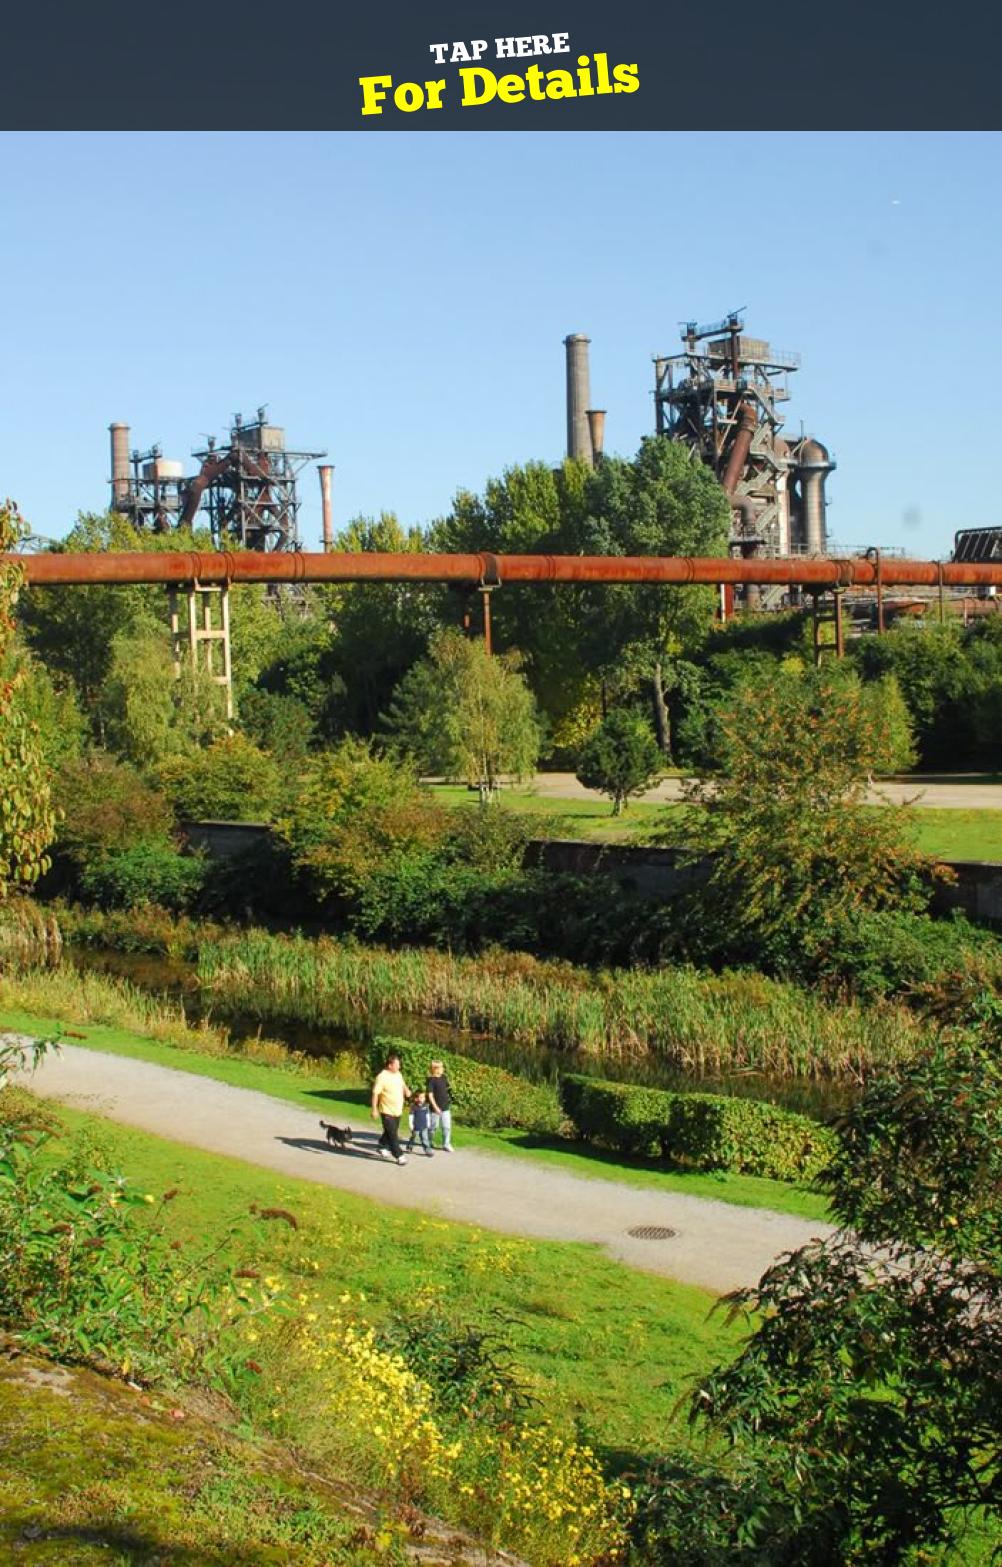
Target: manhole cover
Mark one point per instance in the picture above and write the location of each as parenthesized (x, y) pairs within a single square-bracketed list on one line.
[(652, 1232)]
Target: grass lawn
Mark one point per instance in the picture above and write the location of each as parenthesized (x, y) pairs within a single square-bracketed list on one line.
[(951, 834), (608, 1350), (350, 1099), (960, 835), (590, 818)]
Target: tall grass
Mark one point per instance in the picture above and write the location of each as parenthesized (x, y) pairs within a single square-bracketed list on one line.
[(695, 1021), (28, 935), (67, 996)]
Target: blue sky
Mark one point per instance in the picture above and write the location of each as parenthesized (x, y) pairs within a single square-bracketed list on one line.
[(400, 300)]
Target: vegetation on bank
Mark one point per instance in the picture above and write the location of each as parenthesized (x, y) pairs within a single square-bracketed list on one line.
[(317, 1302), (96, 1471), (884, 1349), (701, 1022)]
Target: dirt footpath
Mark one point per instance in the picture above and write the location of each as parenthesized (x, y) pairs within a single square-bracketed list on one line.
[(715, 1245)]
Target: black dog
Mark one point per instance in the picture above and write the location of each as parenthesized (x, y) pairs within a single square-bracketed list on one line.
[(337, 1136)]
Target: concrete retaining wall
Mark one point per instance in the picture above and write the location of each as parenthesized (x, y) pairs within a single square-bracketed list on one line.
[(653, 873)]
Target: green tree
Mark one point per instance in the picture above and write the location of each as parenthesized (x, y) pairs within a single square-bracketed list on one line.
[(378, 629), (467, 715), (889, 713), (50, 704), (861, 1422), (530, 509), (147, 711), (627, 638), (73, 630), (621, 759), (27, 814), (277, 723), (660, 504), (793, 844)]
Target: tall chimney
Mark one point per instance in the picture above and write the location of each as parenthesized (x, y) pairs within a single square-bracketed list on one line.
[(326, 472), (578, 398), (596, 432), (119, 465)]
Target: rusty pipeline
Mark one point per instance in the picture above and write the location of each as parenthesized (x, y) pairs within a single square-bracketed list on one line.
[(225, 566)]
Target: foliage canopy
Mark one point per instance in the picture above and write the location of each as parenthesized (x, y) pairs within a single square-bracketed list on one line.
[(27, 812)]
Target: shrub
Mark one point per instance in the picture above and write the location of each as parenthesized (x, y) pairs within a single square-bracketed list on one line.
[(484, 1096), (355, 814), (621, 758), (147, 929), (87, 1268), (792, 839), (230, 780), (146, 873), (700, 1131), (634, 1120), (919, 1157), (110, 807), (893, 952)]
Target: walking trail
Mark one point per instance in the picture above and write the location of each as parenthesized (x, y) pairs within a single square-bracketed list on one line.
[(940, 791), (716, 1245)]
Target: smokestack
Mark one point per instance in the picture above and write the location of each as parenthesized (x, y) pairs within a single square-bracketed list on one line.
[(326, 472), (814, 465), (578, 398), (119, 465), (596, 432)]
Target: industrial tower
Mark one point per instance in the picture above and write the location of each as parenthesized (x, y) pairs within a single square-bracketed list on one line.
[(247, 487), (722, 397)]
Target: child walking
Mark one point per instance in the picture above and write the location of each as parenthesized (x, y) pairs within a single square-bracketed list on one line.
[(420, 1123)]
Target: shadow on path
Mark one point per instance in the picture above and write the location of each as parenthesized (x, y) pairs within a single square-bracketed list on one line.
[(321, 1145)]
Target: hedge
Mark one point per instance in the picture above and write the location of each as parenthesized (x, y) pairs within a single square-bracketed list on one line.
[(483, 1096), (698, 1131)]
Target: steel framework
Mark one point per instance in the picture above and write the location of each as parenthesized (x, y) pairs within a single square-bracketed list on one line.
[(246, 485), (720, 397), (978, 544), (249, 487)]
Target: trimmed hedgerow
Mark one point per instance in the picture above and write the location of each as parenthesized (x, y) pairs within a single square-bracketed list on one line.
[(698, 1131), (483, 1096)]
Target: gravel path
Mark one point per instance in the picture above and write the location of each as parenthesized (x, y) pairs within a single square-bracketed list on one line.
[(941, 792), (716, 1245)]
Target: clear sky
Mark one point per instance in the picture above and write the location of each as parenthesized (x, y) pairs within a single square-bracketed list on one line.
[(400, 301)]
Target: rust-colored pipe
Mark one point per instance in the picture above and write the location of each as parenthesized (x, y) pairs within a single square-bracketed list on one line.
[(168, 566), (738, 459), (210, 470)]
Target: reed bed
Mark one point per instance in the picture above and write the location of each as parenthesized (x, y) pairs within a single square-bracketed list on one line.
[(695, 1021), (79, 999), (28, 935)]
